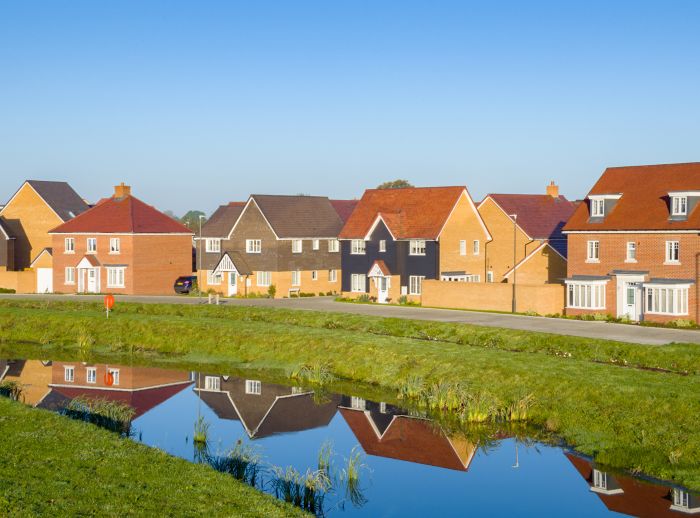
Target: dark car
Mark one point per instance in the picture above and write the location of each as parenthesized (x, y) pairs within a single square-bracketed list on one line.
[(185, 284)]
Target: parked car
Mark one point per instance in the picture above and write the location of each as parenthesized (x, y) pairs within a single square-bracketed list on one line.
[(185, 284)]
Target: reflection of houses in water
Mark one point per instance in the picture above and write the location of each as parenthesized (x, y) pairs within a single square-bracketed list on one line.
[(142, 388), (627, 495), (33, 375), (386, 431), (265, 409)]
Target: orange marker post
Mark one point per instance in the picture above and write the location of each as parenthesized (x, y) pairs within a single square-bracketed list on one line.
[(109, 303)]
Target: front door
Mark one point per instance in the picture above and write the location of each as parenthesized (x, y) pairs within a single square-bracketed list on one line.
[(232, 285), (92, 282), (382, 289), (631, 301)]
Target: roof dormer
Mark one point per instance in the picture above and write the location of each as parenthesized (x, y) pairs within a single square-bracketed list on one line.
[(681, 203), (600, 205)]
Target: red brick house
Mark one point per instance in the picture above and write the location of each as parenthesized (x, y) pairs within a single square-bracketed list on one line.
[(121, 245), (634, 245)]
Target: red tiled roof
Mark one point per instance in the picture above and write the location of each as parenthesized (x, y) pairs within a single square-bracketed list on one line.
[(382, 267), (344, 208), (541, 216), (418, 212), (644, 204), (122, 215)]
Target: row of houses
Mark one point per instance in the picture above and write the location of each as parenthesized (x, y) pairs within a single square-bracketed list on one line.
[(629, 249)]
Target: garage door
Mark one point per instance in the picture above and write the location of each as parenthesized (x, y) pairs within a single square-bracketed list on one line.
[(44, 280)]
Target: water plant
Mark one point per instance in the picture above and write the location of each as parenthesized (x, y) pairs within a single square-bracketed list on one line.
[(201, 431), (242, 462), (85, 342), (306, 491), (11, 389), (350, 475), (324, 456), (112, 415), (411, 388), (518, 409), (318, 373)]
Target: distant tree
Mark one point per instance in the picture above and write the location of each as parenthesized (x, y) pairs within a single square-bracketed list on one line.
[(395, 184), (171, 214), (191, 219)]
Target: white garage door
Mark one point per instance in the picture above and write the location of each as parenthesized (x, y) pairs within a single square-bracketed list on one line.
[(44, 280)]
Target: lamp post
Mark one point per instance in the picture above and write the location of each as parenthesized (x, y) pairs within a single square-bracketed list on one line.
[(515, 235), (199, 256)]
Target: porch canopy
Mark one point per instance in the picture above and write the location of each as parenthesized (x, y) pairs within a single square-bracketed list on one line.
[(233, 262), (379, 269)]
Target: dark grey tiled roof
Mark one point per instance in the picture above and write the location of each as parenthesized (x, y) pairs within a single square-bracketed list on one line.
[(222, 220), (300, 216), (60, 197)]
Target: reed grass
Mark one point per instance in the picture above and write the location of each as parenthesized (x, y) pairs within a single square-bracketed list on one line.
[(12, 389), (201, 431), (112, 415)]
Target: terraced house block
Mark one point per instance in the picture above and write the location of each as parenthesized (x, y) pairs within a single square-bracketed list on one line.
[(634, 245)]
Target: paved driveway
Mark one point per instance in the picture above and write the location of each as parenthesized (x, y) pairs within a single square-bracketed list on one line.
[(620, 332)]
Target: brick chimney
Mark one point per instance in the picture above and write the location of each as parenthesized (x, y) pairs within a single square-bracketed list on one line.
[(553, 190), (122, 190)]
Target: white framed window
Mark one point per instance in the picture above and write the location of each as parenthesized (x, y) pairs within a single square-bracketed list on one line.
[(263, 278), (358, 283), (667, 300), (333, 245), (631, 256), (297, 246), (91, 375), (585, 295), (314, 275), (296, 278), (463, 247), (673, 251), (332, 275), (415, 284), (315, 244), (70, 275), (417, 247), (475, 247), (212, 383), (593, 252), (212, 245), (115, 376), (358, 403), (253, 246), (68, 373), (253, 387), (382, 245), (357, 247), (597, 207), (681, 499), (473, 278), (489, 276), (600, 479), (679, 205), (69, 245), (115, 276), (382, 407), (213, 278), (115, 245), (91, 245)]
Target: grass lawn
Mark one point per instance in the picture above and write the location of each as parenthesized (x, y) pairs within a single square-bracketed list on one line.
[(630, 406), (53, 466)]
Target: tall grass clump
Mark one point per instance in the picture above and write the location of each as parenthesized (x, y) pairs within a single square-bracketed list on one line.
[(412, 388), (85, 342), (201, 431), (317, 373), (325, 453), (12, 389), (242, 463), (306, 491), (350, 475), (112, 415)]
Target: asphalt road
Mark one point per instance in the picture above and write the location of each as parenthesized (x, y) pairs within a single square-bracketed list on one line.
[(619, 332)]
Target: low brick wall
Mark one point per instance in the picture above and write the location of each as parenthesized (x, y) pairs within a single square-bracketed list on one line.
[(21, 282), (543, 299)]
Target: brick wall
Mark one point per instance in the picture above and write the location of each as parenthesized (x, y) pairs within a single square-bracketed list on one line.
[(464, 224)]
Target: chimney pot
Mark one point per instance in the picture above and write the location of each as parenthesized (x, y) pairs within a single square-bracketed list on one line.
[(122, 190), (553, 189)]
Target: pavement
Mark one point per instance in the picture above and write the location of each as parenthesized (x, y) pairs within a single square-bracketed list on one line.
[(587, 329)]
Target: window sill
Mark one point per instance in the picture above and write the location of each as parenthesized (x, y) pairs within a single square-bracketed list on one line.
[(115, 253), (249, 252), (69, 283), (357, 253), (672, 263), (592, 261), (416, 255), (91, 253), (667, 314), (630, 261), (115, 287), (68, 252)]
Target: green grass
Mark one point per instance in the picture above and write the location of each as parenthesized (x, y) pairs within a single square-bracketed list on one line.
[(601, 397), (55, 466)]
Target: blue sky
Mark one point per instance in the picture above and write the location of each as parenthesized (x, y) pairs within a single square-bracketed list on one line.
[(199, 103)]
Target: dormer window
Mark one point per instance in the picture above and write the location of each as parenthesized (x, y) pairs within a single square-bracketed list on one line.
[(599, 204), (679, 205), (597, 208)]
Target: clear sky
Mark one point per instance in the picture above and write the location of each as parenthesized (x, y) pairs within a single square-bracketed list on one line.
[(199, 103)]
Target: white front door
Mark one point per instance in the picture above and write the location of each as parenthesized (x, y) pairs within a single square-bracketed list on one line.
[(93, 282), (232, 285), (44, 280), (629, 297), (382, 289)]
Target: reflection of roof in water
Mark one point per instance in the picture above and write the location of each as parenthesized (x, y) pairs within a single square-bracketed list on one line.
[(262, 417), (407, 438)]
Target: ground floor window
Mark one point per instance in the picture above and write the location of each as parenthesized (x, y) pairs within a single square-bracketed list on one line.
[(314, 275), (115, 277), (681, 498), (213, 278), (586, 295), (69, 374), (296, 278), (264, 278), (70, 275), (358, 283), (332, 275), (91, 375), (115, 376), (415, 284), (667, 300)]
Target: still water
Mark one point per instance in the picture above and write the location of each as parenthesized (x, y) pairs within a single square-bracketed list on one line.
[(408, 464)]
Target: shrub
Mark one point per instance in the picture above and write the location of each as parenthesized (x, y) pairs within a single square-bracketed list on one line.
[(272, 291), (363, 298), (7, 290)]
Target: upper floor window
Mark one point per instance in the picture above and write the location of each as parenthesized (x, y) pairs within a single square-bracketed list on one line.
[(115, 245), (212, 245), (600, 479), (69, 245), (92, 244), (489, 276), (597, 207), (212, 383), (417, 247), (358, 247), (296, 246), (253, 246), (679, 205), (382, 245), (333, 245), (253, 387), (593, 253), (315, 244), (673, 251), (463, 247), (475, 247), (681, 499), (631, 252)]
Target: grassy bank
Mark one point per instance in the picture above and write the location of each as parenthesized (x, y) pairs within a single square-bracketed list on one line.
[(78, 469), (602, 397)]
